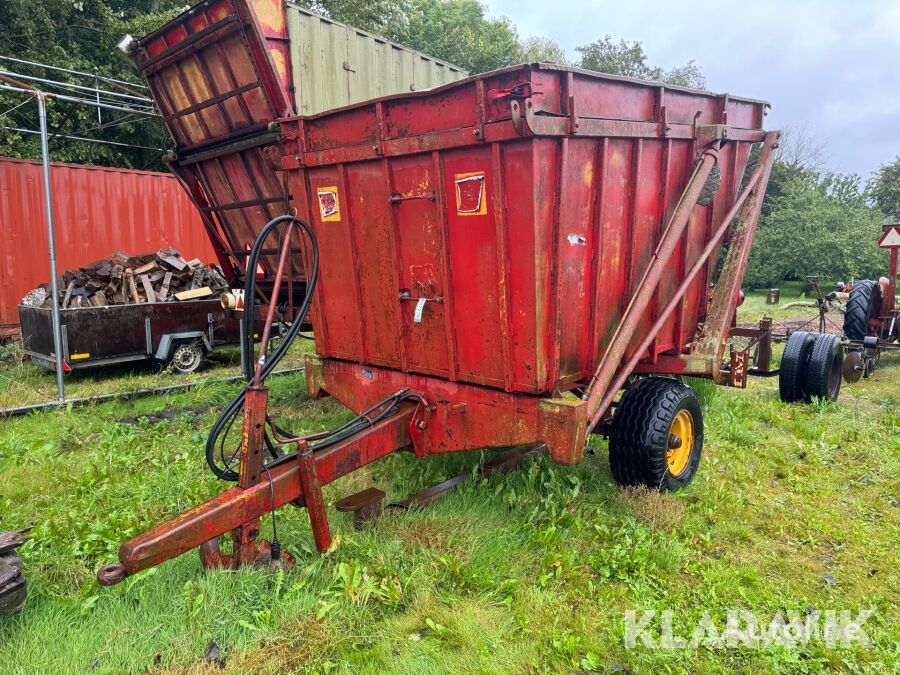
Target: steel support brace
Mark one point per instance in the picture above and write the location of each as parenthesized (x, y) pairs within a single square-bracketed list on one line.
[(717, 325), (315, 502), (459, 416), (646, 288), (699, 362)]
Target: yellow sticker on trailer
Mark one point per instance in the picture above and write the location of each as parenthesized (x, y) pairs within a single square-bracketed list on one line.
[(79, 357)]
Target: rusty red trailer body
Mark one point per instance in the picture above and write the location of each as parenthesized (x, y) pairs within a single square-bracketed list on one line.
[(526, 235), (496, 257)]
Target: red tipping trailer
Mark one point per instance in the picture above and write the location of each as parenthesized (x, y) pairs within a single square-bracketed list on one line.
[(502, 233), (490, 264)]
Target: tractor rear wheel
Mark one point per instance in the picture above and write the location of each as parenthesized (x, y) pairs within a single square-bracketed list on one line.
[(865, 296), (657, 435), (823, 372), (792, 373)]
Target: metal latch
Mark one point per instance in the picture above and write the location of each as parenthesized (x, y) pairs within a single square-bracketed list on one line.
[(396, 197), (520, 90), (420, 303)]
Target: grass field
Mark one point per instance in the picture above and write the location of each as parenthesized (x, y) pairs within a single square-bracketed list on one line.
[(795, 509)]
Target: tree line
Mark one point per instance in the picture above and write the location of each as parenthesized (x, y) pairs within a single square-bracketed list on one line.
[(821, 222)]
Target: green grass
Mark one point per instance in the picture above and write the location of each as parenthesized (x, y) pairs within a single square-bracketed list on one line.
[(528, 572), (23, 383)]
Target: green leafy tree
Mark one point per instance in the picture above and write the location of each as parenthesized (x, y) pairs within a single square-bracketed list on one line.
[(883, 190), (81, 36), (457, 31), (815, 224), (536, 49), (630, 60), (382, 17)]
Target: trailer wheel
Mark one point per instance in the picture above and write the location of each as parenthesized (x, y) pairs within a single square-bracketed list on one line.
[(865, 296), (187, 357), (657, 435), (793, 366), (823, 372)]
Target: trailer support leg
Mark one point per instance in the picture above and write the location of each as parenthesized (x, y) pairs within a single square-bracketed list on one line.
[(315, 502), (246, 549)]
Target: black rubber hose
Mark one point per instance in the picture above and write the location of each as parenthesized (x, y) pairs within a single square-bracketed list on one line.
[(236, 404)]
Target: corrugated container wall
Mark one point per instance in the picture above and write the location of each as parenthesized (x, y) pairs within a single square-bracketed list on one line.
[(336, 65), (97, 210)]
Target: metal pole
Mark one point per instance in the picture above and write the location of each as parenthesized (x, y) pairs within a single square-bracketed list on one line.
[(51, 245)]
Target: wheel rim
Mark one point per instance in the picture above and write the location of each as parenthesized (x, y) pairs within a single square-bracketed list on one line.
[(681, 442), (186, 358)]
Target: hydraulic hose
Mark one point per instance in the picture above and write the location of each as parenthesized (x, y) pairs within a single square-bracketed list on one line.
[(219, 432), (226, 418)]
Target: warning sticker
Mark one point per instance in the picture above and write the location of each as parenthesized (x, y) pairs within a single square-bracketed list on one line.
[(470, 199), (329, 206)]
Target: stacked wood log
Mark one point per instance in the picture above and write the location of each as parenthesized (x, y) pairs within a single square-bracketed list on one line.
[(124, 279)]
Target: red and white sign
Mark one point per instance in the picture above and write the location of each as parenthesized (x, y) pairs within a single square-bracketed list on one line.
[(890, 238)]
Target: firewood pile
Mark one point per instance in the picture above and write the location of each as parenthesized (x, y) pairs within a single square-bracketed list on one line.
[(123, 279)]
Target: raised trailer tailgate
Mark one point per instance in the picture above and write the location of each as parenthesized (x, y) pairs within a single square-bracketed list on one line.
[(223, 73)]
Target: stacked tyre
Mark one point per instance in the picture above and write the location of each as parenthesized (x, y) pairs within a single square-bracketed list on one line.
[(811, 367)]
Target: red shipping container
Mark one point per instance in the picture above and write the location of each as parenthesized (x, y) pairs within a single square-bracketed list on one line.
[(96, 210)]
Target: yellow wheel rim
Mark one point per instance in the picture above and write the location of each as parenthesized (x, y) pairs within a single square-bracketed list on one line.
[(681, 442)]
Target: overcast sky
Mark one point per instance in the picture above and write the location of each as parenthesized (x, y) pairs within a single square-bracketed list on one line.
[(833, 65)]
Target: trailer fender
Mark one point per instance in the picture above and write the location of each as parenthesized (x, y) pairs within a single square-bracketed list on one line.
[(169, 339)]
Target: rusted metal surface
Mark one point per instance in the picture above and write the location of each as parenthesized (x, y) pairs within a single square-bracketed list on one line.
[(465, 417), (239, 506), (503, 464), (224, 72), (751, 353), (364, 505), (219, 75), (890, 319), (102, 335), (553, 187), (97, 210), (711, 342), (601, 384)]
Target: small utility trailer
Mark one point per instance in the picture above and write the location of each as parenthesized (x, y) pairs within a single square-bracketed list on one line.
[(180, 334)]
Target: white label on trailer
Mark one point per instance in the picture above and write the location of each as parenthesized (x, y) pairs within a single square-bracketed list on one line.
[(420, 308), (891, 238)]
